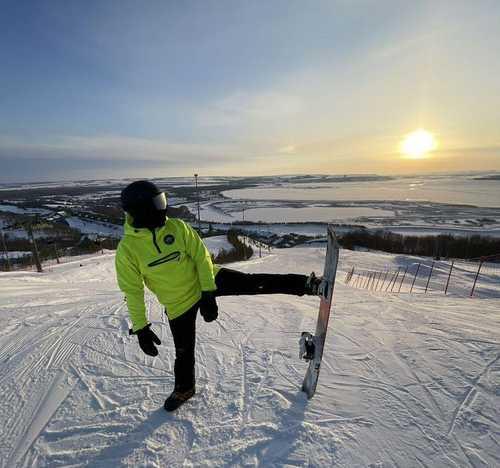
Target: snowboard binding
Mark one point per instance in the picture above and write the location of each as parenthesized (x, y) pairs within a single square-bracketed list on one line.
[(323, 289), (316, 286), (307, 346)]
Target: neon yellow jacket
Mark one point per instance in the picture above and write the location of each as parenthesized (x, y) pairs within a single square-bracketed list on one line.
[(171, 261)]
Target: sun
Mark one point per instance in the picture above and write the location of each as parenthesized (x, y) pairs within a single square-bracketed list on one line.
[(418, 144)]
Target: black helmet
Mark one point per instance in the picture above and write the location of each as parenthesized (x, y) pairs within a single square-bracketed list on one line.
[(146, 203)]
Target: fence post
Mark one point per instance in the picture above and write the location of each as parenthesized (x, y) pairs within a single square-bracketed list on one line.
[(430, 274), (415, 278), (475, 279), (389, 283), (449, 276), (383, 281), (349, 276), (403, 278), (395, 279), (368, 285)]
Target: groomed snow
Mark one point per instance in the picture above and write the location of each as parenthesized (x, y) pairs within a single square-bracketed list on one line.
[(406, 380)]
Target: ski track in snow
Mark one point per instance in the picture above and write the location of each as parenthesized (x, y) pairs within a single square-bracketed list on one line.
[(406, 380)]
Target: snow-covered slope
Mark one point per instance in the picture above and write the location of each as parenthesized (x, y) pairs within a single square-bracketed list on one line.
[(406, 380), (217, 243)]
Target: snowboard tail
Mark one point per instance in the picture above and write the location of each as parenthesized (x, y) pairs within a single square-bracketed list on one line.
[(312, 346)]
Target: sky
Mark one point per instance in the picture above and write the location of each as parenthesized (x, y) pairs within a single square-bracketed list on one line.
[(109, 89)]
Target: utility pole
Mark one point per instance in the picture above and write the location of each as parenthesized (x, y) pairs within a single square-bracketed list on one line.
[(197, 201), (7, 259), (54, 245), (57, 254), (36, 257)]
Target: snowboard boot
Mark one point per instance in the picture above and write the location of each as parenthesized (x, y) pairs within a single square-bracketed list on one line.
[(312, 285), (177, 398)]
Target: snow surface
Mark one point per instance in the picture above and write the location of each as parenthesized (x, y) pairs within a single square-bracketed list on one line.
[(37, 234), (18, 210), (95, 227), (15, 254), (407, 380)]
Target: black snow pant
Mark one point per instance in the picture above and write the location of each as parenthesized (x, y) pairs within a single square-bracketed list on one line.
[(229, 283)]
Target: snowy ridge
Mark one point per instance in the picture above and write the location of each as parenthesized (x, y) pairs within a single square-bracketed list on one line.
[(407, 380)]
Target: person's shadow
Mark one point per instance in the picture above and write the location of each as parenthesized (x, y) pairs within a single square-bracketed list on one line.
[(273, 450), (291, 430), (124, 446)]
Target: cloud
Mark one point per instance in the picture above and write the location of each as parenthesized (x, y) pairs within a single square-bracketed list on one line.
[(114, 147), (246, 108)]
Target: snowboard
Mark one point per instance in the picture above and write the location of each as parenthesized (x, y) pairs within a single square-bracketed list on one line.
[(311, 346)]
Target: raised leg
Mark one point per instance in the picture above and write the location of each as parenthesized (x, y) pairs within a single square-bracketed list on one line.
[(236, 283)]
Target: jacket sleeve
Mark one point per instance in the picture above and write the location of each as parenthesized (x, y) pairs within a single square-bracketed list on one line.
[(197, 250), (131, 283)]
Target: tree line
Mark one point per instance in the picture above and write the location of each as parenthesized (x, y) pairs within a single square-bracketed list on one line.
[(240, 250), (440, 246)]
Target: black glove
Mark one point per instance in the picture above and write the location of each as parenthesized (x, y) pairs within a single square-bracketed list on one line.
[(208, 306), (147, 338)]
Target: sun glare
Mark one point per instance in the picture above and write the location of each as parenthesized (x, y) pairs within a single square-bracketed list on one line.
[(418, 144)]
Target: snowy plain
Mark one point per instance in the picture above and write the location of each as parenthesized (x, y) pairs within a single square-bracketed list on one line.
[(407, 380)]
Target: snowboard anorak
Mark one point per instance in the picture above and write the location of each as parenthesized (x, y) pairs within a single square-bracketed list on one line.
[(172, 261)]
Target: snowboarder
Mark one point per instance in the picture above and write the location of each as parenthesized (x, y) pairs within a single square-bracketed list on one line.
[(168, 256)]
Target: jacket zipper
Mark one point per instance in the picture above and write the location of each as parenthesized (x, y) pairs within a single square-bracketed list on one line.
[(154, 240)]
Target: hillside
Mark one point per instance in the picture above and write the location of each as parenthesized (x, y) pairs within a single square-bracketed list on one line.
[(407, 380)]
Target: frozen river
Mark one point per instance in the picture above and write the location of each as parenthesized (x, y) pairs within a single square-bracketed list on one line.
[(312, 213), (455, 190)]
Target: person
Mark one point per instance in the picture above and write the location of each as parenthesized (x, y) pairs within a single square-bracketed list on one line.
[(168, 257)]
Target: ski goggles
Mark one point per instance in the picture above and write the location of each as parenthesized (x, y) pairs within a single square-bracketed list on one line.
[(160, 201)]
